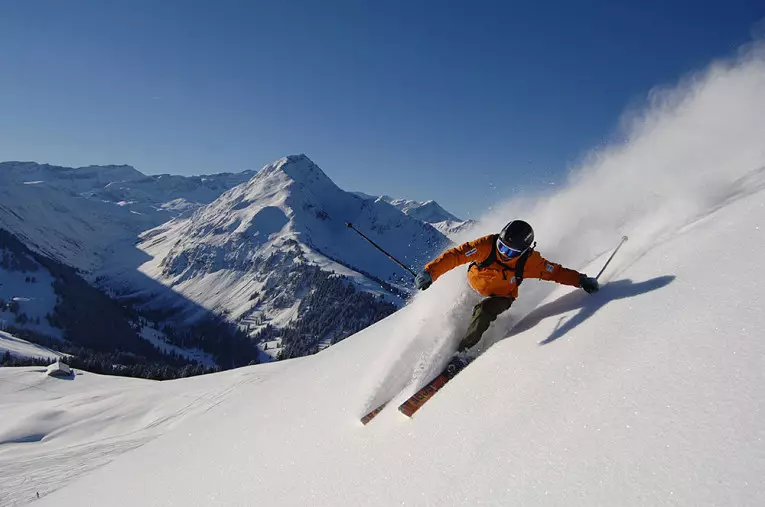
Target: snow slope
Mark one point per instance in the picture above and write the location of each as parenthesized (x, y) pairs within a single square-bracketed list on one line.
[(76, 180), (455, 230), (18, 347), (647, 393), (67, 227), (429, 212), (126, 186), (169, 194), (74, 214), (79, 424)]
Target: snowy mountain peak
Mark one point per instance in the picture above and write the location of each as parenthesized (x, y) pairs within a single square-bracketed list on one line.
[(294, 183), (294, 197), (298, 168), (261, 238)]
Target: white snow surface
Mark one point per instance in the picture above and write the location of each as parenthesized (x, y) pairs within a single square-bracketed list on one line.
[(78, 424), (649, 392), (18, 347), (454, 230), (428, 211), (70, 228), (76, 214)]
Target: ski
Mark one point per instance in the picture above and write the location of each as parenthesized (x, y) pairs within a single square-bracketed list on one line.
[(418, 399), (411, 405), (371, 415)]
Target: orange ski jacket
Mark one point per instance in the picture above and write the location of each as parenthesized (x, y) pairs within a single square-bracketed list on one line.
[(498, 278)]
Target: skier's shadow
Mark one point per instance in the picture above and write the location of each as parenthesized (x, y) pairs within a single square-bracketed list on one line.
[(587, 304)]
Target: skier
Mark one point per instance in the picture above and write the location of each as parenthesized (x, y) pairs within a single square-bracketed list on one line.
[(498, 265)]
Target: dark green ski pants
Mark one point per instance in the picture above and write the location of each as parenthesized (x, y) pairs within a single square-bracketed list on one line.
[(484, 313)]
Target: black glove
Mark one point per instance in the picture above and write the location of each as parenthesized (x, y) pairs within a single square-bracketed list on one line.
[(423, 280), (590, 285)]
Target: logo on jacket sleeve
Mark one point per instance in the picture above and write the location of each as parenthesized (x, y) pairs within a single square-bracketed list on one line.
[(549, 267), (471, 252)]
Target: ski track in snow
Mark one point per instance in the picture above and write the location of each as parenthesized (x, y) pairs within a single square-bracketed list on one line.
[(47, 472), (47, 466)]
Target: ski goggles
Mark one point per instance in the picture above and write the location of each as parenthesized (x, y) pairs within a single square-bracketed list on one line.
[(507, 251)]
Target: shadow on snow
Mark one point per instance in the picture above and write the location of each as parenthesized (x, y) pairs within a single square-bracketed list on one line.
[(587, 304)]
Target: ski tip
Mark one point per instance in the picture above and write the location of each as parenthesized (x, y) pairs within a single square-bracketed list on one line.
[(408, 409), (371, 415)]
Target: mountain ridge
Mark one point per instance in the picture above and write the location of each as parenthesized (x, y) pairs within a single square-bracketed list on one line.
[(426, 211)]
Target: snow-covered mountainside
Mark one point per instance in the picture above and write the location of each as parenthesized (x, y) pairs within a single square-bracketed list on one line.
[(76, 180), (266, 251), (27, 294), (65, 226), (74, 215), (429, 212), (20, 348), (53, 235), (126, 186), (168, 193), (454, 230), (48, 303), (293, 199)]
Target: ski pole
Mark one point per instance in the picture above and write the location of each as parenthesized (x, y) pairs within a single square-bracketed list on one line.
[(624, 238), (350, 226)]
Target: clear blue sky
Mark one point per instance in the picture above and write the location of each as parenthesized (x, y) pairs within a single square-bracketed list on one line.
[(454, 101)]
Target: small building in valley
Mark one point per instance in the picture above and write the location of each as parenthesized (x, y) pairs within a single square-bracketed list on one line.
[(59, 369)]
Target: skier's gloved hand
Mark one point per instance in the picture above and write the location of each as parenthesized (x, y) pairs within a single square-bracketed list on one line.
[(423, 280), (589, 284)]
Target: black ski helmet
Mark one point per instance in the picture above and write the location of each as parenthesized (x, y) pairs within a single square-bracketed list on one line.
[(518, 235)]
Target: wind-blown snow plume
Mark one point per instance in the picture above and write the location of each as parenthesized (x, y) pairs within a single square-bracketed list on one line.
[(692, 149), (681, 157)]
